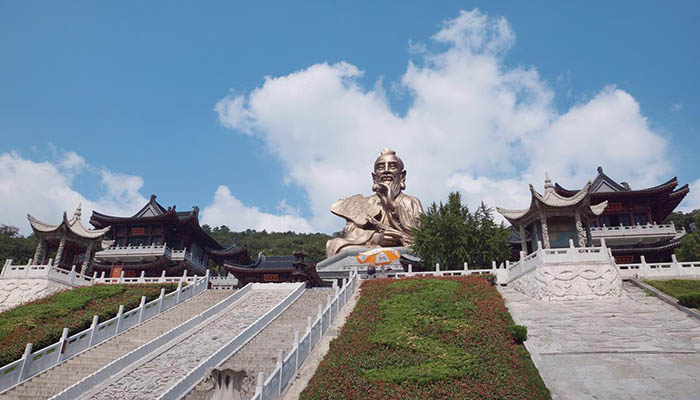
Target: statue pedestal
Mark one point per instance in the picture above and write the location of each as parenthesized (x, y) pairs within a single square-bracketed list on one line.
[(345, 261)]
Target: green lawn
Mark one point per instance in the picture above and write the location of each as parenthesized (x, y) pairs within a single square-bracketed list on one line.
[(677, 287), (432, 338), (41, 322)]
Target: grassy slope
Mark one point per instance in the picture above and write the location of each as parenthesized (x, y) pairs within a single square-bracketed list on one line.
[(427, 339), (676, 287), (41, 322)]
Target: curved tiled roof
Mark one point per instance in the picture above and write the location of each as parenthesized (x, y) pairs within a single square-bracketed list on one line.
[(72, 225), (552, 199)]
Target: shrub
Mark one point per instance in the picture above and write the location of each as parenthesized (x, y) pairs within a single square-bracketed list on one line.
[(518, 332), (434, 338), (690, 300), (41, 321)]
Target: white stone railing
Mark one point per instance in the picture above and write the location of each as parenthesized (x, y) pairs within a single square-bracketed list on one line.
[(438, 272), (153, 250), (48, 271), (288, 366), (636, 230), (227, 282), (669, 270), (73, 278), (33, 363)]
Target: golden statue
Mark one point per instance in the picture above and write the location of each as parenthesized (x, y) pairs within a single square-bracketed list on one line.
[(384, 219)]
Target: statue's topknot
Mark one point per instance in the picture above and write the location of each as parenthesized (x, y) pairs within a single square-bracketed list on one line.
[(387, 151)]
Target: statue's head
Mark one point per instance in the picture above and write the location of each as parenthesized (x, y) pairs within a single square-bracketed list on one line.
[(388, 169)]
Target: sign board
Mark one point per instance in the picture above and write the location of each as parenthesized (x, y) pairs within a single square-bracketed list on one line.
[(271, 278), (614, 206), (138, 231)]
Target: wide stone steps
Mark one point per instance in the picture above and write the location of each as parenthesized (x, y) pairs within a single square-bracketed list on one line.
[(260, 354), (62, 376), (163, 370)]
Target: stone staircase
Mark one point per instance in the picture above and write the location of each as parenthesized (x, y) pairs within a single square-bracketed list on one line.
[(60, 377), (260, 354)]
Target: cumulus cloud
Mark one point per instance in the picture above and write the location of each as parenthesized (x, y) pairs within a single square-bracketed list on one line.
[(45, 190), (692, 200), (474, 124), (227, 210)]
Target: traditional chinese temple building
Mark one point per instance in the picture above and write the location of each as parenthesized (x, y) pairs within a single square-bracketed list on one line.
[(68, 244), (156, 239), (632, 222), (553, 219), (277, 269)]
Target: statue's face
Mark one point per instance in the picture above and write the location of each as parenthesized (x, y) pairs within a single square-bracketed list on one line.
[(389, 170)]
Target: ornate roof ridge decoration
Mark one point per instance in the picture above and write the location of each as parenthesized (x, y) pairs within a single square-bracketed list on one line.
[(73, 225), (552, 199)]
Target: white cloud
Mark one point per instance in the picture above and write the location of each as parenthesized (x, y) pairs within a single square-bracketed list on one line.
[(692, 200), (227, 210), (474, 124), (676, 107), (44, 189)]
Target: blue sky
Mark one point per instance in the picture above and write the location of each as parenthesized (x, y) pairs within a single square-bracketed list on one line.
[(129, 88)]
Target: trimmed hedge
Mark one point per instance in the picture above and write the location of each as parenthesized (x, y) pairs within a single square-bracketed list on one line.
[(41, 322), (690, 300), (427, 338)]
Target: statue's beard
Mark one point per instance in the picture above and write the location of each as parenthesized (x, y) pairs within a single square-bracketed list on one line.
[(394, 186)]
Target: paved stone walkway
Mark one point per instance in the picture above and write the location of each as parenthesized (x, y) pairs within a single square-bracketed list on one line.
[(153, 378), (635, 347)]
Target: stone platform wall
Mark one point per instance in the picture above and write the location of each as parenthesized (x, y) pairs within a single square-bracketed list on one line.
[(14, 292)]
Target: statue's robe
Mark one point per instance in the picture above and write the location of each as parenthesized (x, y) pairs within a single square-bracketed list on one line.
[(359, 232)]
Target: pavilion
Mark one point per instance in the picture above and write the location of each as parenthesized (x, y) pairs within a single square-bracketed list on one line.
[(553, 219), (73, 243)]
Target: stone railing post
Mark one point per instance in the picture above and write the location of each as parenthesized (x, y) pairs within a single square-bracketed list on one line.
[(143, 275), (320, 321), (142, 308), (120, 313), (93, 331), (676, 268), (62, 344), (160, 300), (437, 268), (493, 264), (26, 269), (260, 383), (296, 346), (121, 277), (26, 361), (466, 266), (162, 277), (207, 276), (72, 275), (179, 290), (278, 366), (644, 267), (410, 269)]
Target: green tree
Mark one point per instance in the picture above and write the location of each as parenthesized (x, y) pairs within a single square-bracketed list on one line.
[(272, 243), (450, 234), (15, 246), (689, 250)]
